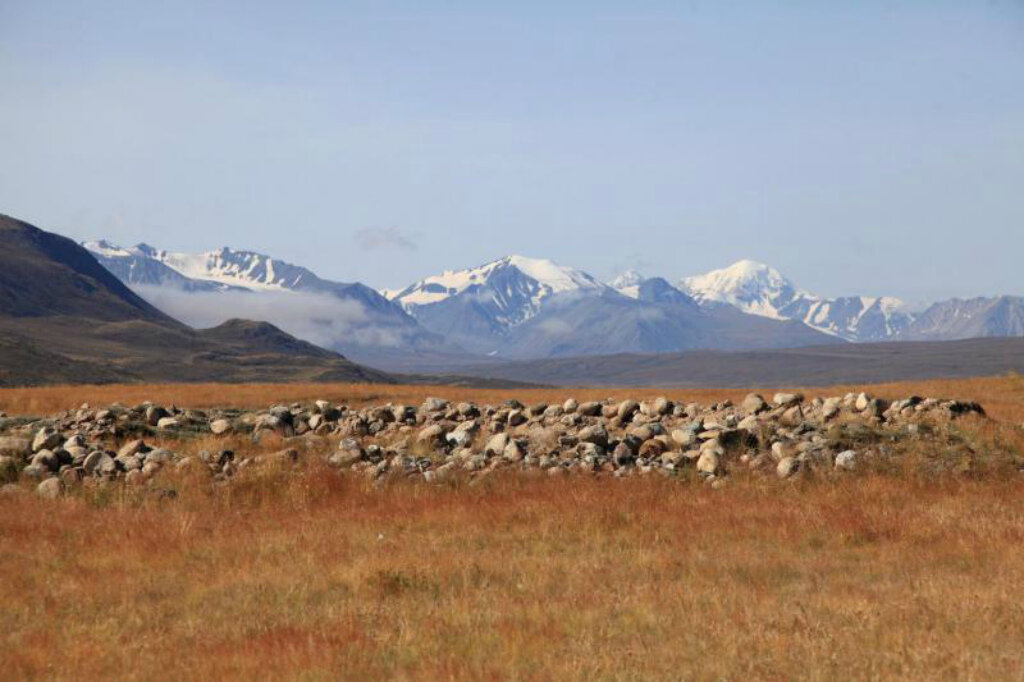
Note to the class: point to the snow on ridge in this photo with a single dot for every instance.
(105, 248)
(751, 286)
(628, 283)
(553, 278)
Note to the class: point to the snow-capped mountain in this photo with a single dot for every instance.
(750, 286)
(359, 318)
(527, 307)
(519, 307)
(136, 266)
(628, 283)
(652, 289)
(513, 286)
(762, 290)
(486, 301)
(224, 268)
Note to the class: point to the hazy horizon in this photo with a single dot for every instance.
(874, 149)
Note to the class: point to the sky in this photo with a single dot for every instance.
(861, 148)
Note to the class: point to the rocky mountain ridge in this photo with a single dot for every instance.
(519, 307)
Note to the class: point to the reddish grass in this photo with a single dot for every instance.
(313, 575)
(319, 577)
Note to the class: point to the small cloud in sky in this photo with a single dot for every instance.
(370, 238)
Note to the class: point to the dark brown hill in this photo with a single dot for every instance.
(65, 319)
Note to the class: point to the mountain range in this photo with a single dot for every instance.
(518, 307)
(64, 318)
(70, 314)
(349, 317)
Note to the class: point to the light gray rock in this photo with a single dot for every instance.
(708, 462)
(846, 460)
(748, 423)
(754, 404)
(159, 456)
(98, 462)
(513, 452)
(595, 434)
(219, 427)
(46, 439)
(627, 408)
(132, 448)
(516, 417)
(50, 489)
(431, 435)
(46, 459)
(496, 444)
(154, 414)
(460, 437)
(434, 405)
(787, 466)
(787, 399)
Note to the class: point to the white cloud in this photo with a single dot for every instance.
(322, 319)
(555, 327)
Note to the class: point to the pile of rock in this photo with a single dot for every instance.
(437, 439)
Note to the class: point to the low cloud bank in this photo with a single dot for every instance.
(325, 320)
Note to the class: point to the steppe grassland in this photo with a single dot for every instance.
(893, 575)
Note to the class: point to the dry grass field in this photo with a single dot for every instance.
(311, 575)
(1003, 397)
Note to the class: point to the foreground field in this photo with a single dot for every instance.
(569, 579)
(896, 573)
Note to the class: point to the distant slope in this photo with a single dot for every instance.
(44, 274)
(610, 323)
(65, 318)
(966, 319)
(24, 363)
(812, 366)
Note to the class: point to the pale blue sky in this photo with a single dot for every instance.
(860, 147)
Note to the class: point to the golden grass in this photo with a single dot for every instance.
(317, 577)
(311, 575)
